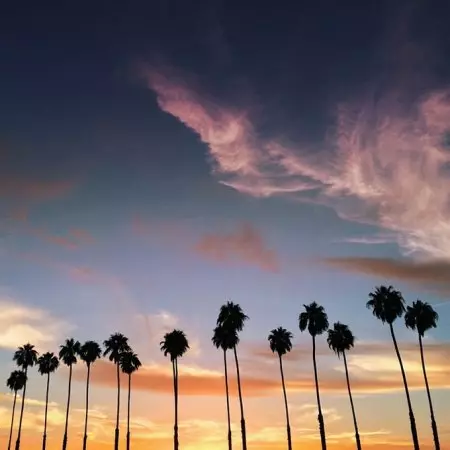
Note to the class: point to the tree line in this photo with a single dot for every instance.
(387, 304)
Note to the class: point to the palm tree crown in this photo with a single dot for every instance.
(47, 363)
(16, 381)
(340, 338)
(225, 338)
(115, 345)
(69, 351)
(232, 316)
(174, 344)
(129, 362)
(89, 352)
(421, 316)
(280, 341)
(314, 318)
(387, 304)
(25, 356)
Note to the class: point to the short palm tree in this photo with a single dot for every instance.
(90, 351)
(175, 344)
(129, 363)
(340, 339)
(280, 341)
(115, 345)
(226, 340)
(24, 357)
(68, 353)
(232, 318)
(421, 317)
(47, 364)
(15, 382)
(315, 319)
(387, 305)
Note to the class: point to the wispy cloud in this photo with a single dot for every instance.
(245, 244)
(383, 164)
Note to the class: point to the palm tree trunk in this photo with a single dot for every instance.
(175, 395)
(408, 399)
(87, 406)
(230, 443)
(128, 411)
(241, 404)
(320, 416)
(19, 432)
(433, 421)
(64, 446)
(116, 433)
(12, 420)
(288, 425)
(355, 423)
(44, 438)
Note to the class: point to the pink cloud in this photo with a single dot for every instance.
(245, 244)
(33, 189)
(383, 164)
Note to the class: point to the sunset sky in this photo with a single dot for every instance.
(159, 158)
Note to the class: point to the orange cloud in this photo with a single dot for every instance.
(430, 274)
(245, 244)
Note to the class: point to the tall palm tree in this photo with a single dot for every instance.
(232, 318)
(175, 344)
(340, 339)
(90, 351)
(47, 364)
(387, 305)
(15, 382)
(68, 353)
(226, 340)
(129, 363)
(421, 317)
(280, 341)
(115, 345)
(24, 357)
(315, 319)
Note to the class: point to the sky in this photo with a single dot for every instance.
(160, 158)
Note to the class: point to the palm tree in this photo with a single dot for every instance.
(129, 363)
(387, 304)
(90, 351)
(232, 318)
(421, 317)
(340, 339)
(226, 340)
(24, 357)
(68, 353)
(48, 363)
(15, 382)
(280, 341)
(176, 345)
(115, 345)
(315, 319)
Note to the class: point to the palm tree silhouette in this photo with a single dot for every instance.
(280, 341)
(232, 318)
(68, 353)
(115, 345)
(340, 339)
(315, 319)
(129, 363)
(176, 345)
(226, 340)
(47, 364)
(15, 382)
(24, 357)
(421, 317)
(90, 351)
(387, 305)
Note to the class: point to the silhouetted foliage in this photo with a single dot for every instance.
(15, 382)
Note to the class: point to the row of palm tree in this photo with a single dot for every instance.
(27, 356)
(386, 303)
